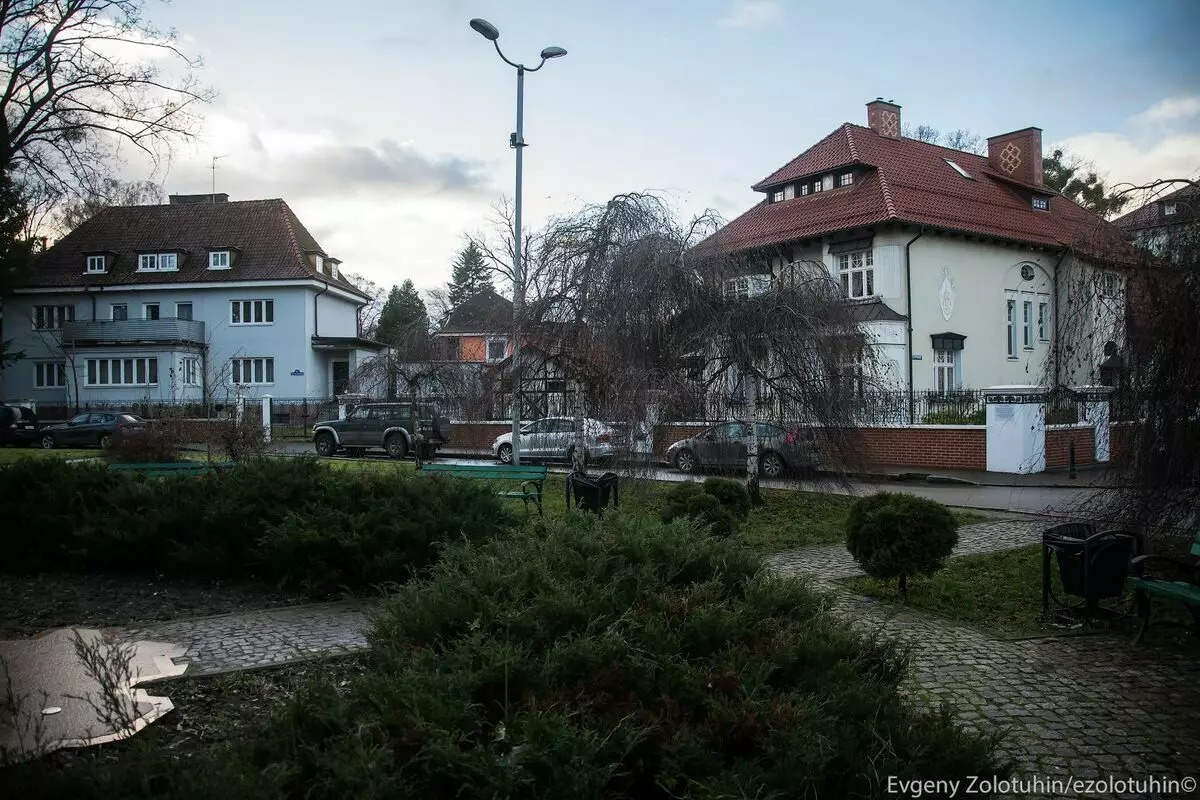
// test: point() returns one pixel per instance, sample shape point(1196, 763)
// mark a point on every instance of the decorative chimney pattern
point(883, 117)
point(1018, 155)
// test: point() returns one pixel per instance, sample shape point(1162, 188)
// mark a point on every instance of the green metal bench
point(1184, 586)
point(531, 478)
point(177, 468)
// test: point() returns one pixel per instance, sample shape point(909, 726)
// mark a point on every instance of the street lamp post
point(517, 142)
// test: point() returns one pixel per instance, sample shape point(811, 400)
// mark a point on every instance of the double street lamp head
point(490, 32)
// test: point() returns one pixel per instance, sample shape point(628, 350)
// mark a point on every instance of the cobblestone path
point(1081, 706)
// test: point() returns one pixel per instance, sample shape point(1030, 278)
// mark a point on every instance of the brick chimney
point(197, 199)
point(1018, 155)
point(883, 117)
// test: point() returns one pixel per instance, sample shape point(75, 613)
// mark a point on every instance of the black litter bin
point(592, 493)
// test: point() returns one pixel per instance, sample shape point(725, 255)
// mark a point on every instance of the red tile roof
point(270, 240)
point(1187, 209)
point(909, 181)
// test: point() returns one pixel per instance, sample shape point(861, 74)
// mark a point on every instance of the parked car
point(18, 426)
point(724, 447)
point(93, 429)
point(385, 426)
point(553, 439)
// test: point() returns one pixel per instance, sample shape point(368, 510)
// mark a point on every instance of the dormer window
point(1169, 209)
point(777, 197)
point(318, 262)
point(816, 185)
point(158, 262)
point(218, 259)
point(805, 189)
point(1041, 203)
point(845, 179)
point(96, 265)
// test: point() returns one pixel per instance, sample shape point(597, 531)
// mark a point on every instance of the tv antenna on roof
point(213, 197)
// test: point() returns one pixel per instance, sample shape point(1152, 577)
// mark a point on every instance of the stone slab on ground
point(46, 672)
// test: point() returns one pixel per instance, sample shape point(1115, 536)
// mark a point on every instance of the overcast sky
point(385, 123)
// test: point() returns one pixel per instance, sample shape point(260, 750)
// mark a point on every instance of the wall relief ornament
point(946, 294)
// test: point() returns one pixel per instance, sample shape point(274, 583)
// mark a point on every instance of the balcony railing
point(167, 330)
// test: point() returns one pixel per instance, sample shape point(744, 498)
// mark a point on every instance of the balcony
point(168, 330)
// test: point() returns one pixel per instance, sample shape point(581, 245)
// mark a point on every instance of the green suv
point(386, 426)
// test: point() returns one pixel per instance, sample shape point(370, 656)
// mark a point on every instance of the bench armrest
point(1179, 567)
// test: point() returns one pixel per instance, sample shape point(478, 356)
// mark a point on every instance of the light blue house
point(200, 299)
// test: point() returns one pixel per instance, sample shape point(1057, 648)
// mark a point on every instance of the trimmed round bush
point(717, 504)
point(895, 534)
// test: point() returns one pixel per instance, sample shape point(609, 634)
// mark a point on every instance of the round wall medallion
point(1027, 272)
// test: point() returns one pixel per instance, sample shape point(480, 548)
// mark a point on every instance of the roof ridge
point(799, 155)
point(887, 193)
point(292, 221)
point(849, 131)
point(919, 141)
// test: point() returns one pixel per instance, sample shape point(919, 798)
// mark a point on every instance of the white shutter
point(887, 271)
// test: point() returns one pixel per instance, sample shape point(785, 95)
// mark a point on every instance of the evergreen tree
point(16, 251)
point(471, 276)
point(403, 316)
point(1076, 179)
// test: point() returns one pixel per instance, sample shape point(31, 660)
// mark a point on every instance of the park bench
point(177, 468)
point(1184, 586)
point(531, 478)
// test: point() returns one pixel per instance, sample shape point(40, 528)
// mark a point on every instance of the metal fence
point(864, 409)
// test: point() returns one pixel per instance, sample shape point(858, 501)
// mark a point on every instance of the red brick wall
point(926, 446)
point(476, 435)
point(1058, 445)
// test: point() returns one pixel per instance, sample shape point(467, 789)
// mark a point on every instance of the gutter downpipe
point(912, 400)
point(1057, 354)
point(316, 325)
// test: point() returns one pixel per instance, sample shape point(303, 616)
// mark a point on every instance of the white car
point(553, 439)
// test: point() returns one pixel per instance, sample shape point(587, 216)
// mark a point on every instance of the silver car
point(553, 439)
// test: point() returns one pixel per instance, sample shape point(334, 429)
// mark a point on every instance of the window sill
point(120, 385)
point(219, 269)
point(92, 272)
point(49, 388)
point(252, 385)
point(250, 324)
point(1014, 358)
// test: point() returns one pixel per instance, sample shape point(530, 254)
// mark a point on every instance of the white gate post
point(266, 418)
point(239, 406)
point(1016, 429)
point(1095, 402)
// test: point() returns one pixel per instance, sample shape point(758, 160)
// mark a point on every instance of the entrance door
point(341, 377)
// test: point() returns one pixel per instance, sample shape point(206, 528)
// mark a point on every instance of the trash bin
point(1091, 565)
point(592, 493)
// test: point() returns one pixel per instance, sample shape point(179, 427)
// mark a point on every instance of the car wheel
point(685, 461)
point(771, 465)
point(48, 442)
point(396, 446)
point(325, 444)
point(505, 453)
point(106, 441)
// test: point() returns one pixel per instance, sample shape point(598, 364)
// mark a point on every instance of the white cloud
point(1171, 109)
point(751, 13)
point(1125, 161)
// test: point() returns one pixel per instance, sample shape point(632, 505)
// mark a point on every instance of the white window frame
point(146, 310)
point(737, 288)
point(1043, 320)
point(189, 371)
point(128, 371)
point(777, 196)
point(945, 370)
point(252, 371)
point(168, 262)
point(319, 262)
point(50, 375)
point(789, 192)
point(1041, 203)
point(816, 185)
point(1169, 209)
point(858, 263)
point(112, 312)
point(191, 306)
point(845, 179)
point(147, 262)
point(487, 349)
point(804, 189)
point(1027, 324)
point(52, 317)
point(247, 309)
point(220, 259)
point(96, 265)
point(1011, 326)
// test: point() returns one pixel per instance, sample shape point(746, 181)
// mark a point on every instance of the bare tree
point(110, 192)
point(368, 317)
point(83, 78)
point(1130, 320)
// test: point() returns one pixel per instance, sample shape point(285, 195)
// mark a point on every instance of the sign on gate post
point(266, 418)
point(1095, 402)
point(1016, 429)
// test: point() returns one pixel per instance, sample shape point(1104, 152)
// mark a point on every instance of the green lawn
point(1003, 593)
point(9, 455)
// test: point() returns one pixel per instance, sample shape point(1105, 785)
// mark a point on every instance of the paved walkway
point(1088, 707)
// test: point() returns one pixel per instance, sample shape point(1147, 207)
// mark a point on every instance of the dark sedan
point(93, 429)
point(723, 447)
